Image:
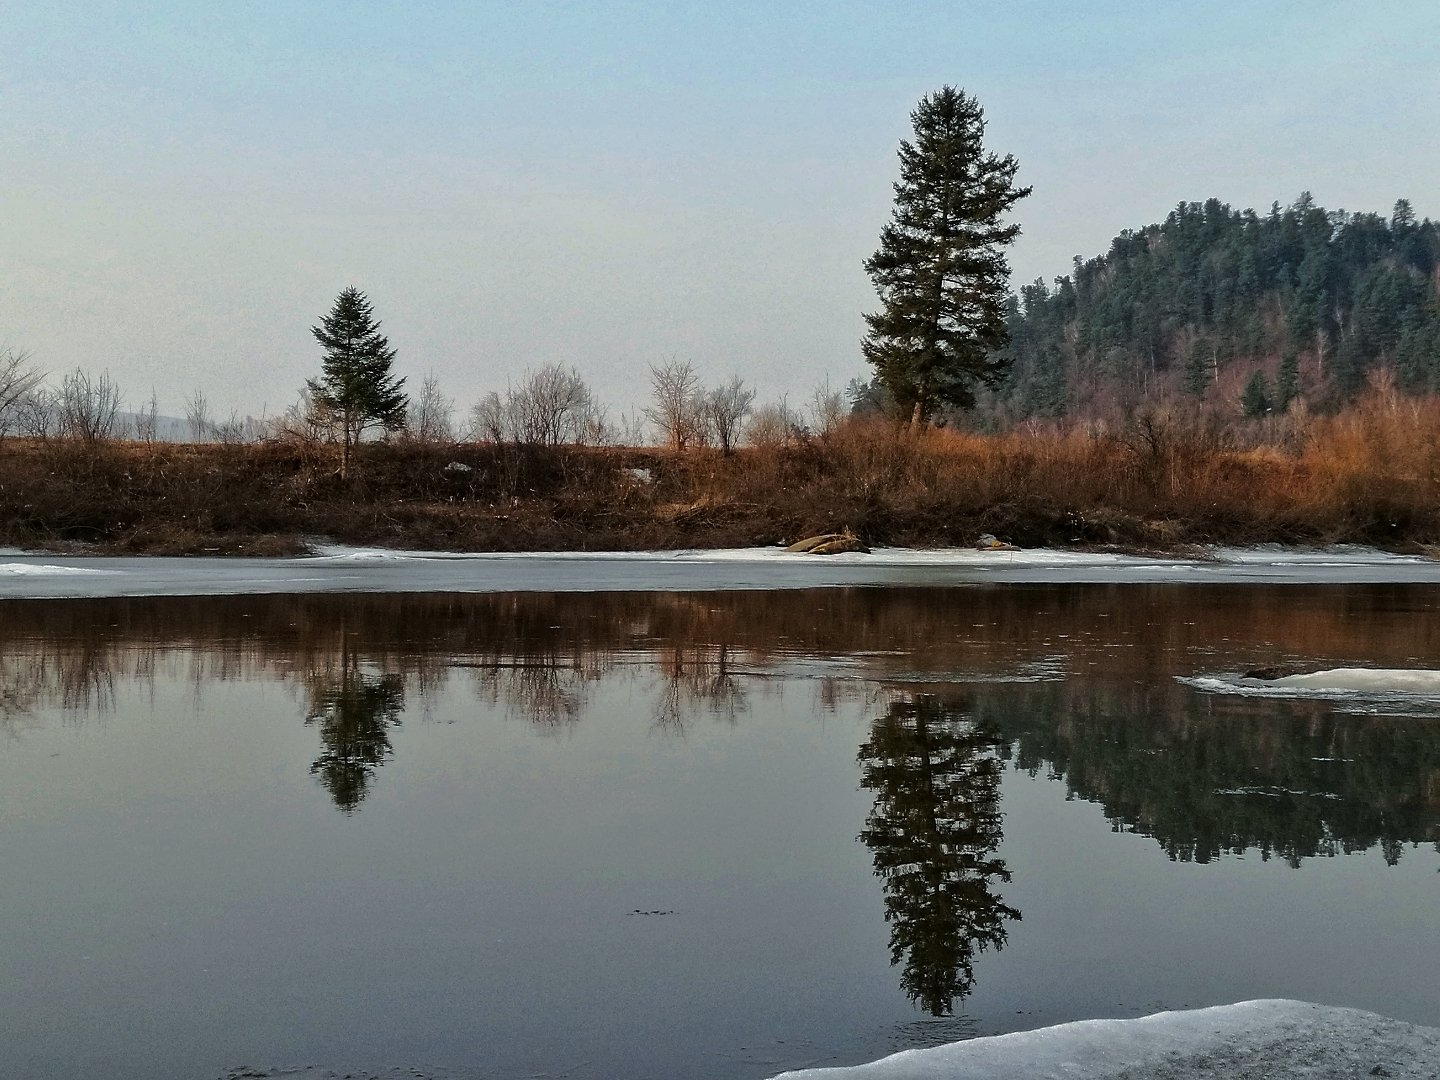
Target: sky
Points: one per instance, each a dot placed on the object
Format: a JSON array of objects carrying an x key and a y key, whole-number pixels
[{"x": 185, "y": 187}]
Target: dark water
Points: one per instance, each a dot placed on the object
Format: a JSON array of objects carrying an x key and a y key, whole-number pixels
[{"x": 693, "y": 835}]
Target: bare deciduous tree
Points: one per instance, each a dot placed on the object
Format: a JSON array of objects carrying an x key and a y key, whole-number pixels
[
  {"x": 18, "y": 380},
  {"x": 428, "y": 420},
  {"x": 231, "y": 432},
  {"x": 303, "y": 422},
  {"x": 726, "y": 407},
  {"x": 774, "y": 425},
  {"x": 550, "y": 406},
  {"x": 677, "y": 408},
  {"x": 147, "y": 419},
  {"x": 88, "y": 406},
  {"x": 489, "y": 419},
  {"x": 37, "y": 413},
  {"x": 631, "y": 430},
  {"x": 197, "y": 414},
  {"x": 827, "y": 409}
]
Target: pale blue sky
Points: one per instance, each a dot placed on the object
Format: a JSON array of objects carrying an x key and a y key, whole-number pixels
[{"x": 184, "y": 187}]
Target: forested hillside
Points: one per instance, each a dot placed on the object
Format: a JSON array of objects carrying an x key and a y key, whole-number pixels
[{"x": 1245, "y": 311}]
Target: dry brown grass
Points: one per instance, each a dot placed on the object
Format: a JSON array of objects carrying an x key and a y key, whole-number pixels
[{"x": 1168, "y": 478}]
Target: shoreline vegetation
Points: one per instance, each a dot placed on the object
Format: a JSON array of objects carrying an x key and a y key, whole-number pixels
[{"x": 1165, "y": 480}]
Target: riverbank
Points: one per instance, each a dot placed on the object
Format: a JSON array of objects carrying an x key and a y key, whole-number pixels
[{"x": 1370, "y": 481}]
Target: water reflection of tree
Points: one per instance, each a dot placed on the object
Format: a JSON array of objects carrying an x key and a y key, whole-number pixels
[
  {"x": 932, "y": 834},
  {"x": 1207, "y": 776},
  {"x": 693, "y": 676},
  {"x": 1203, "y": 775},
  {"x": 354, "y": 711}
]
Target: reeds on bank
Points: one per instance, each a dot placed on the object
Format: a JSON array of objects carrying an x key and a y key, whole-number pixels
[{"x": 1165, "y": 477}]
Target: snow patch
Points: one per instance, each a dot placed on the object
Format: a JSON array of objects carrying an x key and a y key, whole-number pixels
[{"x": 1280, "y": 1040}]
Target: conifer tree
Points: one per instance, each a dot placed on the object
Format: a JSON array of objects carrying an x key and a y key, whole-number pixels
[
  {"x": 1287, "y": 385},
  {"x": 941, "y": 270},
  {"x": 356, "y": 386},
  {"x": 1197, "y": 369},
  {"x": 1255, "y": 400}
]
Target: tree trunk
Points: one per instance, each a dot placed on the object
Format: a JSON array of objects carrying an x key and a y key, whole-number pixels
[{"x": 917, "y": 418}]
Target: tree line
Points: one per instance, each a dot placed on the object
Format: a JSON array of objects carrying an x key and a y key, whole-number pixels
[
  {"x": 1306, "y": 302},
  {"x": 1298, "y": 303}
]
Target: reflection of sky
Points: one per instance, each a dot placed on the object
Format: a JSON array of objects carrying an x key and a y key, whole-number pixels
[{"x": 186, "y": 188}]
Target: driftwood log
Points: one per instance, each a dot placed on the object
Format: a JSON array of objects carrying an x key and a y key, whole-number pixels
[{"x": 828, "y": 544}]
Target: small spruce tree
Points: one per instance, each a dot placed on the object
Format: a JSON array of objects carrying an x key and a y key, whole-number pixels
[
  {"x": 356, "y": 386},
  {"x": 1255, "y": 400}
]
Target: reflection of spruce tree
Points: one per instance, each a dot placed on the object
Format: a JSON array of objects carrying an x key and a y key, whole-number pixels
[
  {"x": 355, "y": 712},
  {"x": 933, "y": 833}
]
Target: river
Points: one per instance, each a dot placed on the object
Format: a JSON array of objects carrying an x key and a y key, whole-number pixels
[{"x": 711, "y": 833}]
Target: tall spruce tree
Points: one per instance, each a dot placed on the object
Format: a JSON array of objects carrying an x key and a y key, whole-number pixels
[
  {"x": 941, "y": 271},
  {"x": 356, "y": 387},
  {"x": 1287, "y": 385}
]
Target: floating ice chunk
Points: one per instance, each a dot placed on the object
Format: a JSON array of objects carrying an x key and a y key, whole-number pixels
[
  {"x": 42, "y": 570},
  {"x": 1388, "y": 686},
  {"x": 1282, "y": 1040},
  {"x": 1368, "y": 680}
]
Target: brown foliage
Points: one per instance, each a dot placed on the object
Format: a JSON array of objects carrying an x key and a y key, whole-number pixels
[{"x": 1367, "y": 475}]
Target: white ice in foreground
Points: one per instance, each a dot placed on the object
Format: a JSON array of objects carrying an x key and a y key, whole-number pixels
[{"x": 1274, "y": 1039}]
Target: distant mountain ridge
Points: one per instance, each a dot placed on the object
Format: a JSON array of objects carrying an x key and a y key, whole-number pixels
[{"x": 1304, "y": 301}]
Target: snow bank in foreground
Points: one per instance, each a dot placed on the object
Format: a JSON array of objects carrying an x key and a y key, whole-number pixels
[
  {"x": 1280, "y": 1040},
  {"x": 38, "y": 570}
]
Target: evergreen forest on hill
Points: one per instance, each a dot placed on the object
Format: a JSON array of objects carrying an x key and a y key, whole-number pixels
[{"x": 1238, "y": 310}]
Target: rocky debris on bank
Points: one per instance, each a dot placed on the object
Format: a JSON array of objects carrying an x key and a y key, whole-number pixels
[{"x": 829, "y": 544}]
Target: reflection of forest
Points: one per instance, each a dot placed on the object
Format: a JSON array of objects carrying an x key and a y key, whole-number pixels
[
  {"x": 1207, "y": 777},
  {"x": 932, "y": 835},
  {"x": 1204, "y": 775}
]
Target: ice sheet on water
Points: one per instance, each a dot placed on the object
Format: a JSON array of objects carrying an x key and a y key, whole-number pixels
[
  {"x": 1334, "y": 555},
  {"x": 886, "y": 556},
  {"x": 47, "y": 570},
  {"x": 1280, "y": 1040},
  {"x": 336, "y": 568}
]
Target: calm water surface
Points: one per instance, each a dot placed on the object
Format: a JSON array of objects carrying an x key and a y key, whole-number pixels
[{"x": 704, "y": 835}]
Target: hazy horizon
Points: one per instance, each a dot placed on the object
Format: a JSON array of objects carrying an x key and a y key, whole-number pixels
[{"x": 185, "y": 191}]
